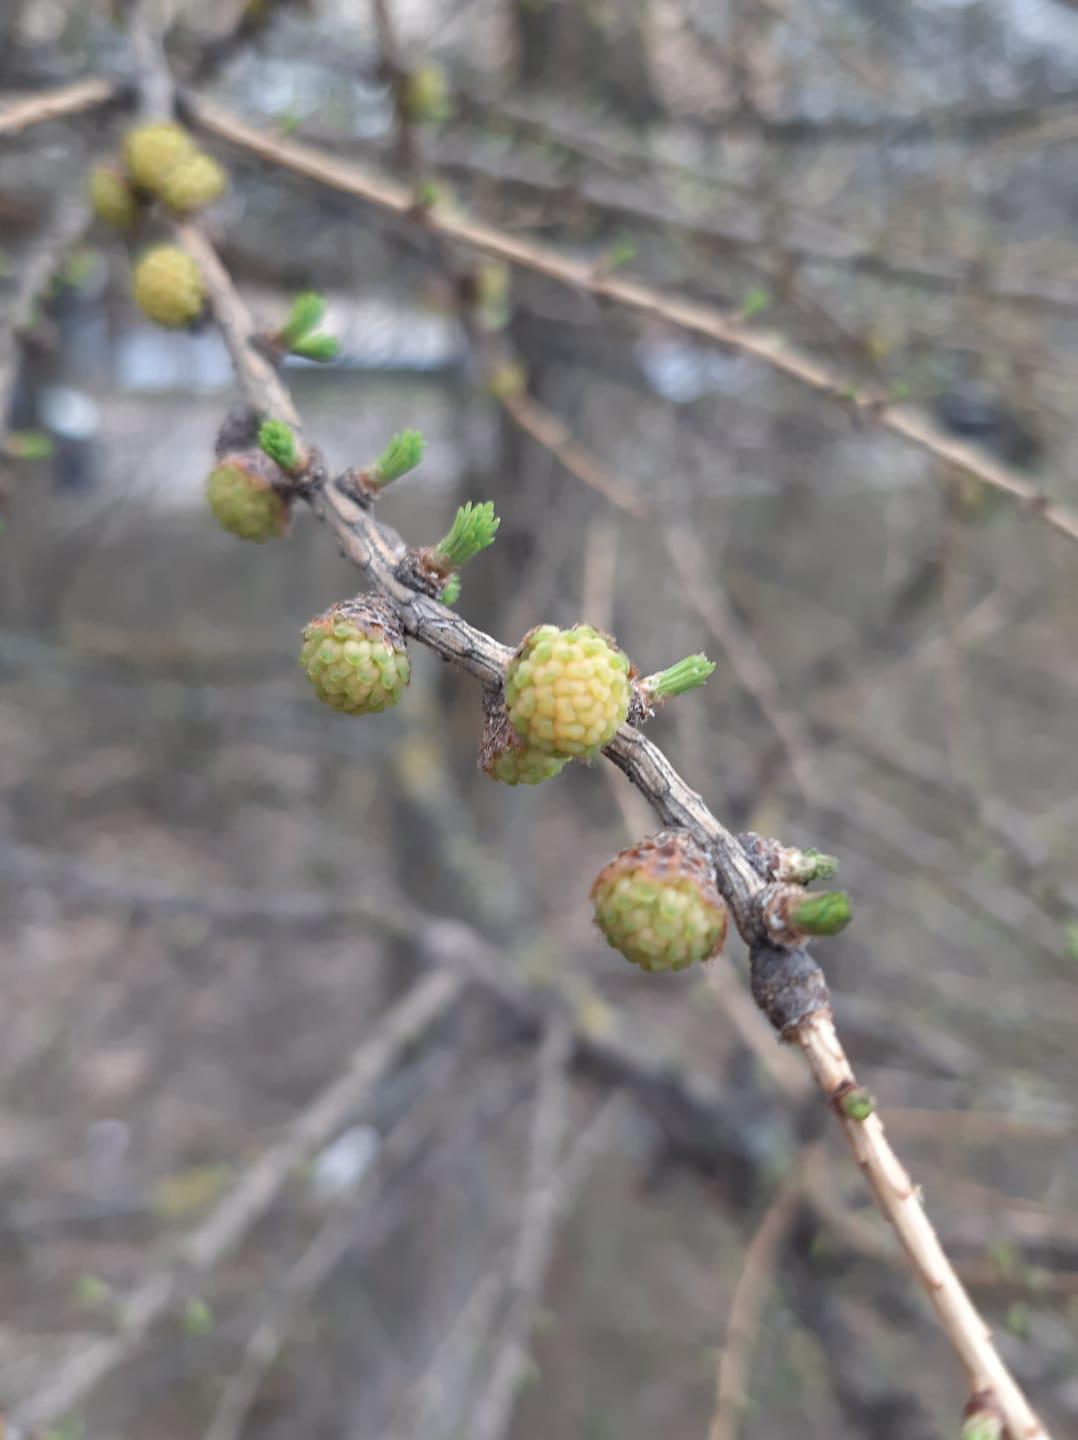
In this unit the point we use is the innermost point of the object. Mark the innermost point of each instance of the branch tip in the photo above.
(474, 528)
(277, 440)
(403, 453)
(687, 674)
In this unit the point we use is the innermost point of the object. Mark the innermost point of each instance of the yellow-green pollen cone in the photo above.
(355, 656)
(524, 766)
(112, 198)
(567, 691)
(150, 152)
(244, 498)
(657, 903)
(192, 183)
(505, 757)
(168, 286)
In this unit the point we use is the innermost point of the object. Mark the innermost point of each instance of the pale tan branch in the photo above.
(54, 104)
(900, 1202)
(689, 315)
(244, 1205)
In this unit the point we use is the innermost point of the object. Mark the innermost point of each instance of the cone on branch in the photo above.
(150, 152)
(112, 198)
(658, 904)
(355, 656)
(243, 494)
(505, 757)
(567, 691)
(192, 183)
(168, 286)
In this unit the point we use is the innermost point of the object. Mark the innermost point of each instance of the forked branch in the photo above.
(788, 983)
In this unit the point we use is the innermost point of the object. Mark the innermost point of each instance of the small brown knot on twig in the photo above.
(239, 430)
(418, 570)
(982, 1418)
(788, 985)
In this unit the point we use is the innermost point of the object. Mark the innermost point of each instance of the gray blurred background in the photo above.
(188, 840)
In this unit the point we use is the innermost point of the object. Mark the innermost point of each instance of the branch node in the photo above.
(774, 861)
(788, 986)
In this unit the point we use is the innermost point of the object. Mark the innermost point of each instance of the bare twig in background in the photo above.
(746, 1304)
(688, 315)
(246, 1203)
(332, 1243)
(534, 1243)
(54, 104)
(63, 232)
(752, 670)
(547, 430)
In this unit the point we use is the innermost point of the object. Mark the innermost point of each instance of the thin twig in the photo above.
(746, 1304)
(900, 1202)
(532, 1252)
(244, 1205)
(63, 232)
(748, 664)
(554, 435)
(54, 104)
(690, 315)
(334, 1240)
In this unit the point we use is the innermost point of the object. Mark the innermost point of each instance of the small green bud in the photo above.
(403, 453)
(451, 593)
(824, 914)
(278, 442)
(91, 1292)
(687, 674)
(197, 1317)
(70, 1427)
(621, 252)
(307, 310)
(27, 445)
(857, 1104)
(427, 194)
(317, 347)
(472, 530)
(756, 300)
(823, 867)
(1070, 941)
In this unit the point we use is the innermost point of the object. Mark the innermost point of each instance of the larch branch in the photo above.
(375, 550)
(54, 104)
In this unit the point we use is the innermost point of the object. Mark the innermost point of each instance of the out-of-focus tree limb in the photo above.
(700, 319)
